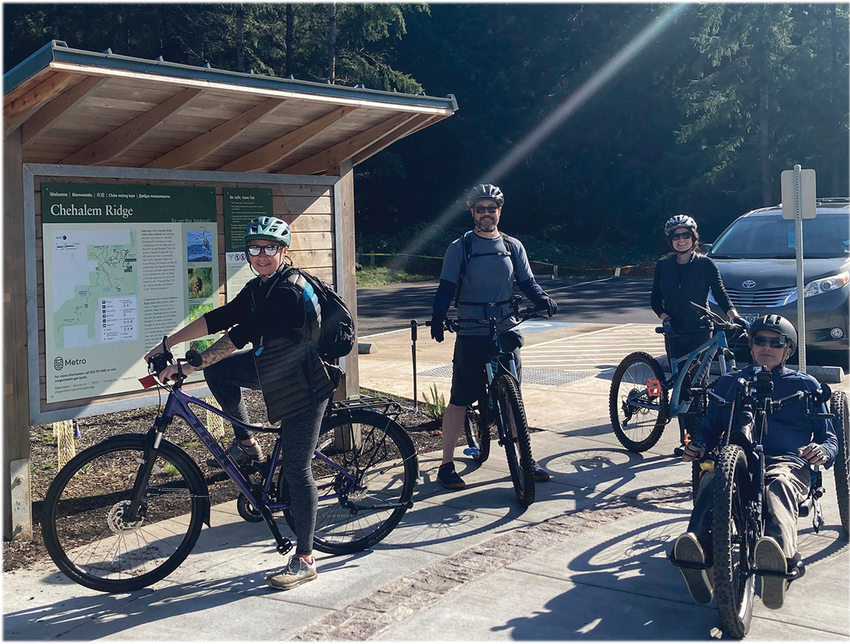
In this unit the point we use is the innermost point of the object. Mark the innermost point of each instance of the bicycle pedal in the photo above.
(471, 451)
(678, 451)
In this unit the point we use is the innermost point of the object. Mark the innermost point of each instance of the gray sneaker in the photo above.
(297, 572)
(241, 454)
(687, 549)
(769, 557)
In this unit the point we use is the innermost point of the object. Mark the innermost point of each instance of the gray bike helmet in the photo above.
(268, 228)
(776, 323)
(485, 191)
(680, 221)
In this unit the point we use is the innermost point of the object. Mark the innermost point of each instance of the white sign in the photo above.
(807, 194)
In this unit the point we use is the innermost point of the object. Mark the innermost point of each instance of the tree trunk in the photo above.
(240, 37)
(290, 24)
(764, 145)
(332, 44)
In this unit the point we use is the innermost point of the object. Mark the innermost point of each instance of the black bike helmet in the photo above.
(775, 323)
(680, 221)
(268, 228)
(485, 191)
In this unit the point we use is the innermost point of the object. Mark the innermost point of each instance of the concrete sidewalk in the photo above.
(585, 561)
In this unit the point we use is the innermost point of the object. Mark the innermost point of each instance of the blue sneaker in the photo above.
(447, 476)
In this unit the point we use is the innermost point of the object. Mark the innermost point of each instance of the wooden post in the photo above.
(16, 437)
(350, 385)
(63, 431)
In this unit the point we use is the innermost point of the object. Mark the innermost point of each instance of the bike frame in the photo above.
(711, 348)
(177, 405)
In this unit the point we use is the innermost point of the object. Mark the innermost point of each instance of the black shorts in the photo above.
(468, 368)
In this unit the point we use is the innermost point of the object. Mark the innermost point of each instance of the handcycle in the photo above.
(500, 402)
(738, 513)
(642, 400)
(126, 512)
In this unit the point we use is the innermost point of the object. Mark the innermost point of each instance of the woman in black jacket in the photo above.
(682, 277)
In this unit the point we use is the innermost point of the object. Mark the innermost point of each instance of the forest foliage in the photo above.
(701, 117)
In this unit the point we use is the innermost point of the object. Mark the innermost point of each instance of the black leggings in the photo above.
(225, 379)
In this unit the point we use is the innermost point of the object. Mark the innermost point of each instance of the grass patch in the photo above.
(382, 275)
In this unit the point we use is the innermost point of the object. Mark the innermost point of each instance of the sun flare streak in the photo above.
(564, 111)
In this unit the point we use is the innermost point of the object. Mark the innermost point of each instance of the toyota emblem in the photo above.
(748, 283)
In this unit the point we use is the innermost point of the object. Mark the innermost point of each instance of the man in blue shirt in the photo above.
(480, 267)
(792, 443)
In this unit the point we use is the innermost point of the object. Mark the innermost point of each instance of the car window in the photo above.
(770, 236)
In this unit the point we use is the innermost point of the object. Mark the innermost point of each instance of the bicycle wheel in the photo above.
(513, 429)
(83, 525)
(841, 469)
(476, 426)
(638, 414)
(367, 490)
(734, 583)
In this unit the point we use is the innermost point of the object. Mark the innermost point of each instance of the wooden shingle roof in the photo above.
(85, 108)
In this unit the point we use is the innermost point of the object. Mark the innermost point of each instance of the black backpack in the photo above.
(336, 324)
(468, 254)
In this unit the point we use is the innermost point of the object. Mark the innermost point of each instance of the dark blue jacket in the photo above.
(787, 429)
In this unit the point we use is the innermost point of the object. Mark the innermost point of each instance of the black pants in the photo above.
(681, 345)
(225, 379)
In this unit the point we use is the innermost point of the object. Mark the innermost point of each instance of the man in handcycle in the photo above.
(793, 442)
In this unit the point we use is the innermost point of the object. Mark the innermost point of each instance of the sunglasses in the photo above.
(482, 209)
(775, 343)
(271, 251)
(681, 236)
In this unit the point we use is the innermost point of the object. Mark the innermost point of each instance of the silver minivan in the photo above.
(756, 259)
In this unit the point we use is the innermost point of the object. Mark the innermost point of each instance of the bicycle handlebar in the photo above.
(158, 363)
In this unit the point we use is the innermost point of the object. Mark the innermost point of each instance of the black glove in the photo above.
(550, 305)
(438, 327)
(742, 323)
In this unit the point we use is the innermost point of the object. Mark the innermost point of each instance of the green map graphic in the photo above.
(115, 275)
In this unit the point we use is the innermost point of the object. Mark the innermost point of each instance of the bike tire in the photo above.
(637, 428)
(476, 426)
(841, 468)
(384, 465)
(513, 430)
(83, 529)
(734, 583)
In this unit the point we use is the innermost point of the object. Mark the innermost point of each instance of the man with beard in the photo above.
(479, 270)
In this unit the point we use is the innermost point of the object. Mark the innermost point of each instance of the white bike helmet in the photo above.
(680, 221)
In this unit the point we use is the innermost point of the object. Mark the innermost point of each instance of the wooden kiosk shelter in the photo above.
(89, 135)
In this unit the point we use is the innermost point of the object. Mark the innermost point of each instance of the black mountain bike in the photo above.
(126, 512)
(738, 506)
(500, 402)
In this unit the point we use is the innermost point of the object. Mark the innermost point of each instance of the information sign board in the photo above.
(123, 266)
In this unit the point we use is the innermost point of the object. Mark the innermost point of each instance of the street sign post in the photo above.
(798, 203)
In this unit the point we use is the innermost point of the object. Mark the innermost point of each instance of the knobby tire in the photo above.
(378, 453)
(734, 583)
(841, 468)
(513, 428)
(84, 529)
(637, 428)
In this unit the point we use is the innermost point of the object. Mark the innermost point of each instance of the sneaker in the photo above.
(241, 454)
(540, 474)
(297, 572)
(688, 550)
(770, 558)
(796, 567)
(447, 476)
